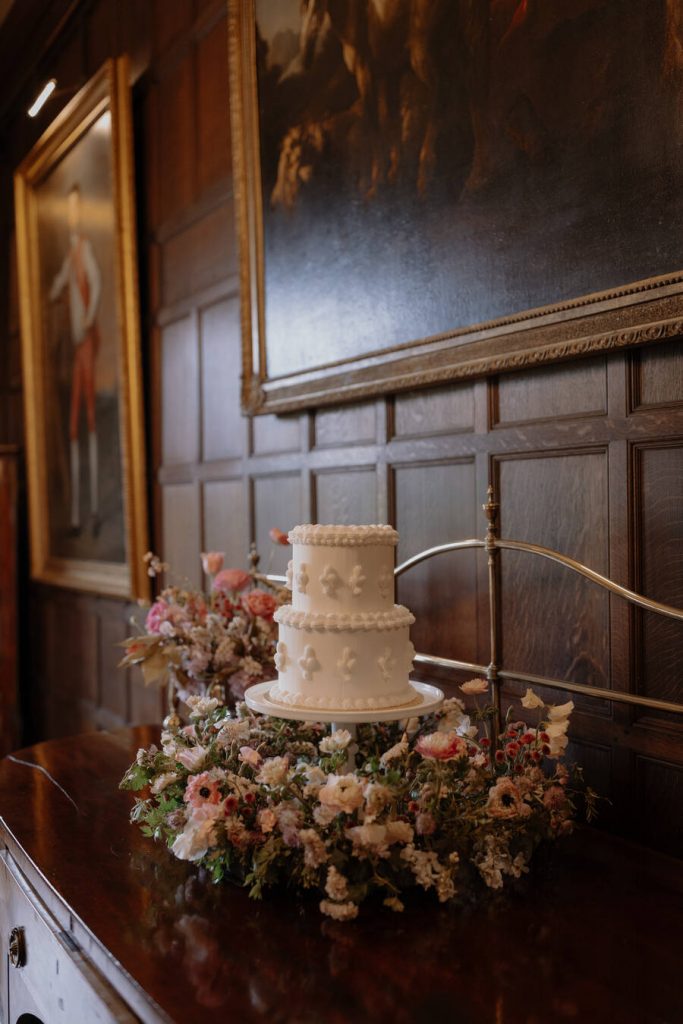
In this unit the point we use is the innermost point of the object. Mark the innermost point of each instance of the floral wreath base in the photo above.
(437, 802)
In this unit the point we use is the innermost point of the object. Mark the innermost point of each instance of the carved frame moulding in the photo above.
(295, 242)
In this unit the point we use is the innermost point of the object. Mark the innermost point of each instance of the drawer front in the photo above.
(52, 980)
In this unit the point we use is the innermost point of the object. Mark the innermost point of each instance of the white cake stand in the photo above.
(427, 698)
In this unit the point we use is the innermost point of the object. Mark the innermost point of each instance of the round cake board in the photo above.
(427, 698)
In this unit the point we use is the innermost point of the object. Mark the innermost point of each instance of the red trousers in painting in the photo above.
(83, 383)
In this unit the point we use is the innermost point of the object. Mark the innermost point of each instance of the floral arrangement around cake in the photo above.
(223, 640)
(441, 803)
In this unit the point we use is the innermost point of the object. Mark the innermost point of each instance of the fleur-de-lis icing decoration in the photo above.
(386, 664)
(281, 657)
(308, 663)
(356, 580)
(410, 654)
(329, 580)
(290, 573)
(384, 581)
(302, 579)
(347, 663)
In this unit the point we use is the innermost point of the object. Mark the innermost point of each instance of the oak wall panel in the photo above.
(180, 392)
(555, 623)
(277, 503)
(213, 129)
(345, 425)
(659, 789)
(576, 389)
(442, 592)
(115, 685)
(181, 545)
(659, 519)
(199, 256)
(176, 129)
(223, 431)
(438, 411)
(659, 375)
(226, 520)
(275, 434)
(171, 20)
(346, 497)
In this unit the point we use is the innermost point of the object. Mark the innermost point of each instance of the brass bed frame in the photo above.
(495, 673)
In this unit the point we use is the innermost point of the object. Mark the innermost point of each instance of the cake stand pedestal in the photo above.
(427, 698)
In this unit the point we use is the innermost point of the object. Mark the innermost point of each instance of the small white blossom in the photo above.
(339, 911)
(393, 753)
(200, 707)
(336, 885)
(335, 742)
(162, 781)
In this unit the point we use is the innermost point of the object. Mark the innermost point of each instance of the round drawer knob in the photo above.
(17, 947)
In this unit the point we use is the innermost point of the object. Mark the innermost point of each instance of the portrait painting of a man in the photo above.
(76, 231)
(77, 274)
(80, 277)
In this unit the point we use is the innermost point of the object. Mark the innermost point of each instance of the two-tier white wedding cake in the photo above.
(343, 643)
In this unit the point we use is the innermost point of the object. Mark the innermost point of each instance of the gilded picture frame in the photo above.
(80, 330)
(552, 198)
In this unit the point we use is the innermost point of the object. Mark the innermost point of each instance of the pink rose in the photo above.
(259, 602)
(231, 580)
(278, 537)
(441, 746)
(156, 615)
(212, 562)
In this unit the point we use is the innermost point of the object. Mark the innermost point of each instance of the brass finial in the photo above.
(254, 558)
(491, 509)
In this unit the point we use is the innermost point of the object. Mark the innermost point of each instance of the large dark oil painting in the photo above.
(429, 165)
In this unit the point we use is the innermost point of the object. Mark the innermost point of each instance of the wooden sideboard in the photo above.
(115, 929)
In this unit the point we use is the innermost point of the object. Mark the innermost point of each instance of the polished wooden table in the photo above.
(596, 936)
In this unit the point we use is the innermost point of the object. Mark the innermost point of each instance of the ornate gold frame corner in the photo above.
(108, 90)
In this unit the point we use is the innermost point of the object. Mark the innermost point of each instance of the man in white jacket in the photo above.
(80, 275)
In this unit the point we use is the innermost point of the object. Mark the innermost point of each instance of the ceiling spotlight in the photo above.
(41, 98)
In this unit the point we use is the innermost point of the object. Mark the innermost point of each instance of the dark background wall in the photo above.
(587, 456)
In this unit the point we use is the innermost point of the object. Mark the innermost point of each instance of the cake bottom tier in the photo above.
(343, 670)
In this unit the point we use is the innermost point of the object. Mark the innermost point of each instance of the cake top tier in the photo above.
(344, 536)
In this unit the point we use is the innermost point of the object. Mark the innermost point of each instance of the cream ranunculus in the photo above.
(532, 700)
(341, 793)
(475, 686)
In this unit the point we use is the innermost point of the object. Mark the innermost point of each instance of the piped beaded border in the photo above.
(344, 536)
(405, 699)
(349, 622)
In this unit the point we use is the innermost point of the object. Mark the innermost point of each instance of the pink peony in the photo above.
(278, 537)
(441, 746)
(259, 602)
(212, 562)
(231, 580)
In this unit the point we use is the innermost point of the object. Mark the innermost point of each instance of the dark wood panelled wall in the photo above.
(587, 457)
